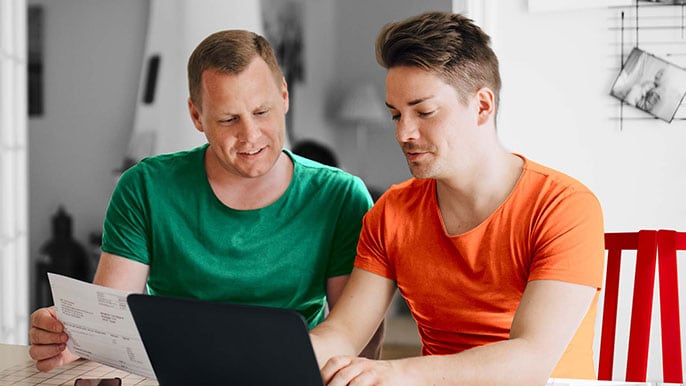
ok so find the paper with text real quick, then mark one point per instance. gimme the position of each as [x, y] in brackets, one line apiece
[99, 324]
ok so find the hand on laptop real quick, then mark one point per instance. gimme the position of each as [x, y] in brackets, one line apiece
[342, 370]
[48, 340]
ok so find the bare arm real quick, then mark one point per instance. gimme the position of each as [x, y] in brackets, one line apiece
[121, 273]
[334, 289]
[356, 318]
[547, 318]
[47, 336]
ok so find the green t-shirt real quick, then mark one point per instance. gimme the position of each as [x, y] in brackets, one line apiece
[163, 213]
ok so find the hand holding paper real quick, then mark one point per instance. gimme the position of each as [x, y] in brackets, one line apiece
[99, 324]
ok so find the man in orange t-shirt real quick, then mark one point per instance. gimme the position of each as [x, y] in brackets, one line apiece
[500, 259]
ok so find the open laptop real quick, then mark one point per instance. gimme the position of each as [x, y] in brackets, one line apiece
[193, 342]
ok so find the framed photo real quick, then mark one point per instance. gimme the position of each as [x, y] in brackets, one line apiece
[35, 60]
[651, 84]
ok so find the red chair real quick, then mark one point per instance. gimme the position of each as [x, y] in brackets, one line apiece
[668, 243]
[644, 242]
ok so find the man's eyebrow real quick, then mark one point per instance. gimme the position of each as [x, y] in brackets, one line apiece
[412, 102]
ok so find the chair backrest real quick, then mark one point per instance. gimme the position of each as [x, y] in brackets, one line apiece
[668, 243]
[653, 248]
[644, 242]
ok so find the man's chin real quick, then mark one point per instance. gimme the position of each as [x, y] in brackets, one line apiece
[256, 169]
[417, 170]
[253, 173]
[420, 173]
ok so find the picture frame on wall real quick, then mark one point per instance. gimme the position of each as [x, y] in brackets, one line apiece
[650, 84]
[35, 60]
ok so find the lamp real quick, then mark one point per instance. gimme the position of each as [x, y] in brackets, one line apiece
[362, 106]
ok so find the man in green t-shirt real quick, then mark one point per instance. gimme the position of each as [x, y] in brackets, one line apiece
[237, 220]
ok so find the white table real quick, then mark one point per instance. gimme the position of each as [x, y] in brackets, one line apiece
[16, 367]
[13, 355]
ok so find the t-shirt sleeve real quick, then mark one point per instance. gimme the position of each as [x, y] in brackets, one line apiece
[371, 252]
[124, 229]
[569, 242]
[355, 202]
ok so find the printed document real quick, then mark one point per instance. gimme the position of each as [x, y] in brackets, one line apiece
[100, 325]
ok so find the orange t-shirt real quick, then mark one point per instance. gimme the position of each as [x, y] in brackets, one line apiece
[463, 290]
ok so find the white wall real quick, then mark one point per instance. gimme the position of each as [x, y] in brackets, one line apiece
[93, 51]
[557, 69]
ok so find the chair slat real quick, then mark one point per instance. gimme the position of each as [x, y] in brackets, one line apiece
[669, 242]
[644, 242]
[642, 307]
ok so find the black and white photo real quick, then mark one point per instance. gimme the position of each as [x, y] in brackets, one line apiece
[650, 84]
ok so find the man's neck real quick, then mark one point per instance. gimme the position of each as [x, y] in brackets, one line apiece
[244, 193]
[465, 201]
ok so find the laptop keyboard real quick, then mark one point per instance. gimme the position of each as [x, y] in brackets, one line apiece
[26, 374]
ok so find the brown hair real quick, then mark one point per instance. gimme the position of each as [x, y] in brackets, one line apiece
[229, 52]
[447, 44]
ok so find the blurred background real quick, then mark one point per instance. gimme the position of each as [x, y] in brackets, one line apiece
[107, 86]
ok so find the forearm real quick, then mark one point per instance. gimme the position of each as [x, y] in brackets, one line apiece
[329, 341]
[511, 363]
[356, 316]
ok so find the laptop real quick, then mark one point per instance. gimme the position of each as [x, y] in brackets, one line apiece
[194, 342]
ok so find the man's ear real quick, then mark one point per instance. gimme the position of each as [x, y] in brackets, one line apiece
[486, 103]
[195, 115]
[284, 94]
